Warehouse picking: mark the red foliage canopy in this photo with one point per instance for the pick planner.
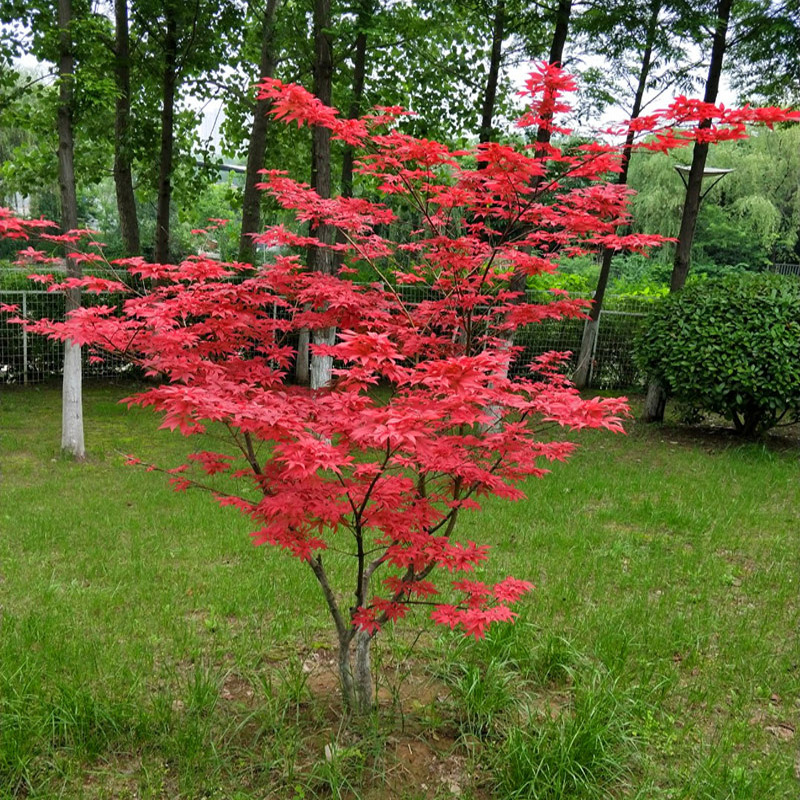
(421, 420)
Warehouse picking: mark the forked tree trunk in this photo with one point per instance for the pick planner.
(251, 198)
(583, 370)
(123, 178)
(355, 675)
(71, 397)
(656, 401)
(169, 85)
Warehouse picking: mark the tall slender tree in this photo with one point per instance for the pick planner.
(257, 146)
(563, 13)
(655, 402)
(72, 440)
(169, 84)
(321, 258)
(366, 11)
(123, 172)
(493, 73)
(582, 372)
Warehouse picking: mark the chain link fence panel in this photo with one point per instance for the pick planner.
(29, 358)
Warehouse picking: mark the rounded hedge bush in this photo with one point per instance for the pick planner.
(730, 346)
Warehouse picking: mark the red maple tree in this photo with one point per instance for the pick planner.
(420, 419)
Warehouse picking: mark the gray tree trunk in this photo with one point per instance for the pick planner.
(583, 371)
(656, 401)
(493, 76)
(321, 258)
(168, 87)
(355, 674)
(251, 198)
(71, 396)
(123, 178)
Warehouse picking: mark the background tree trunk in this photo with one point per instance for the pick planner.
(366, 10)
(519, 280)
(71, 399)
(251, 199)
(656, 400)
(169, 83)
(321, 258)
(490, 93)
(123, 178)
(583, 371)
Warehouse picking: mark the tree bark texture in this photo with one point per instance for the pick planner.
(493, 77)
(169, 85)
(123, 177)
(656, 394)
(72, 440)
(583, 371)
(256, 151)
(355, 675)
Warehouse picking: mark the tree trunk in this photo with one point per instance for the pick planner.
(654, 411)
(519, 280)
(169, 84)
(71, 396)
(123, 178)
(321, 258)
(655, 402)
(691, 206)
(301, 367)
(355, 675)
(251, 199)
(583, 371)
(365, 11)
(490, 94)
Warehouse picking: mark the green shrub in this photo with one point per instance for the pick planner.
(730, 347)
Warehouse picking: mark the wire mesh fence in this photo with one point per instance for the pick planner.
(29, 358)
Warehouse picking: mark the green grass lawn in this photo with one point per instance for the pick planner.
(148, 650)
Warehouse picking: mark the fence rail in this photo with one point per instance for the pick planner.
(27, 358)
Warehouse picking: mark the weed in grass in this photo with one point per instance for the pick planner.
(85, 724)
(339, 772)
(554, 661)
(481, 696)
(584, 753)
(722, 776)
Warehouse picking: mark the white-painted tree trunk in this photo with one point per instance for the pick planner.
(495, 412)
(72, 403)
